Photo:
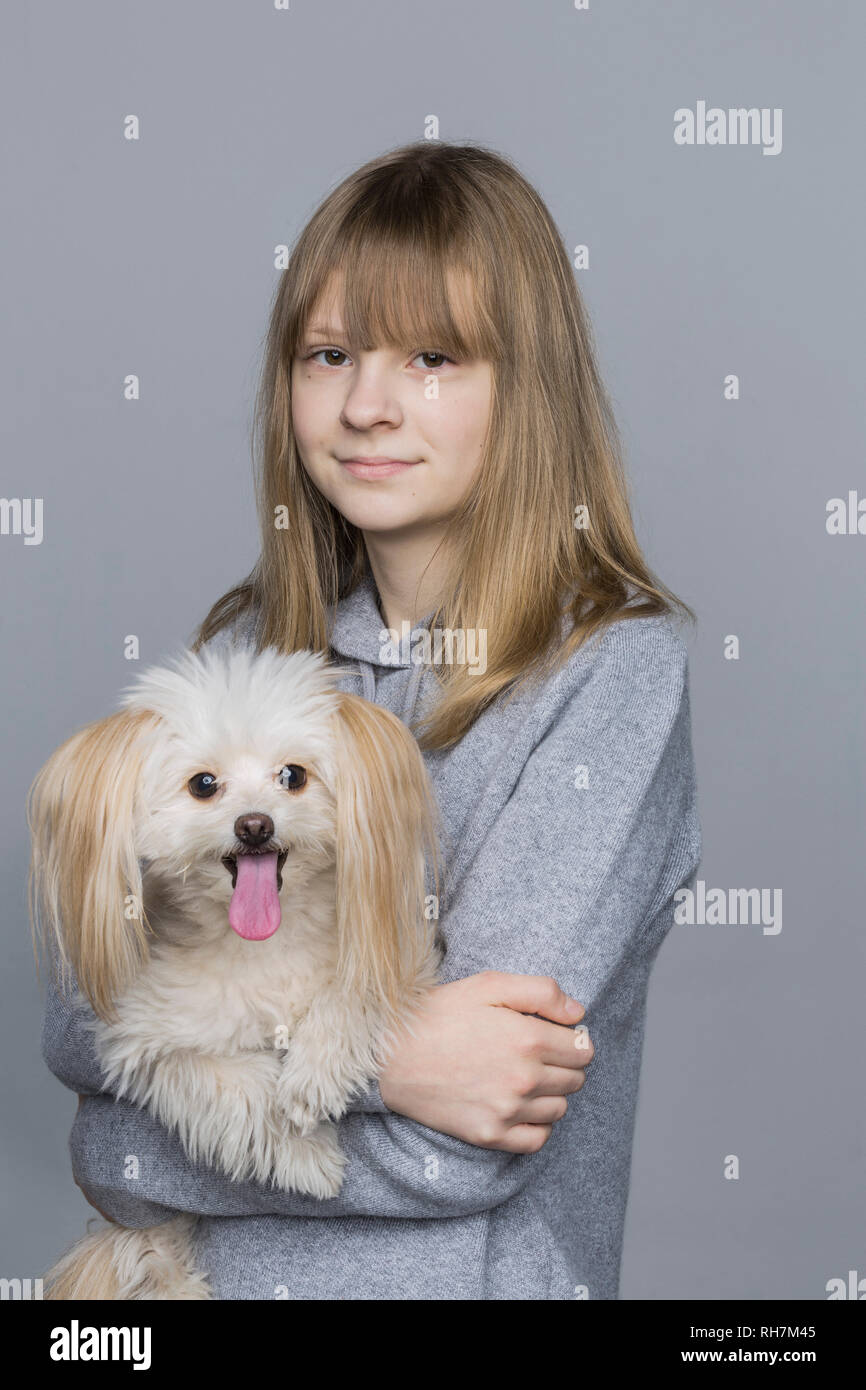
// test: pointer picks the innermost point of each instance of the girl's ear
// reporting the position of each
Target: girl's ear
(387, 825)
(85, 882)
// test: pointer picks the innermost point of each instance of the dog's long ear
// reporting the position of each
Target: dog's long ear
(387, 825)
(85, 883)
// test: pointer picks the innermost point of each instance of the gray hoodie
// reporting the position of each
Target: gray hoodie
(570, 821)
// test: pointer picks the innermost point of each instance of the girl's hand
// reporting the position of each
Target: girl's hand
(483, 1069)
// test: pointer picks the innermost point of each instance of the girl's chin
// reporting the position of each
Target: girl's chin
(378, 517)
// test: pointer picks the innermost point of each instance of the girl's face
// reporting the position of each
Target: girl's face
(423, 410)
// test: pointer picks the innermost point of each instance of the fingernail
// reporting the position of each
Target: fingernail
(573, 1006)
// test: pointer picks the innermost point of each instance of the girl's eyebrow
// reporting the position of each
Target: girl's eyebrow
(327, 331)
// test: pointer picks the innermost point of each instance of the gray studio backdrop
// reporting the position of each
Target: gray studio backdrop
(707, 261)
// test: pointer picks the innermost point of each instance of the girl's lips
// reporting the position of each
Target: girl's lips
(376, 468)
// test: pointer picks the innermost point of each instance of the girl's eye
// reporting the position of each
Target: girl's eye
(440, 355)
(292, 777)
(202, 785)
(332, 352)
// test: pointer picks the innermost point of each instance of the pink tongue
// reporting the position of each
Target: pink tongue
(254, 911)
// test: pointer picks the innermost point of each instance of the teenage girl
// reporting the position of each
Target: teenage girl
(436, 449)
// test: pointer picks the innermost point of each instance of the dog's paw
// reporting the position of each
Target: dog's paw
(298, 1103)
(301, 1118)
(306, 1099)
(311, 1163)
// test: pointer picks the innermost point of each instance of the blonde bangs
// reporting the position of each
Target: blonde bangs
(409, 282)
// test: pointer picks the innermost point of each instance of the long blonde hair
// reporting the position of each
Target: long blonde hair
(401, 231)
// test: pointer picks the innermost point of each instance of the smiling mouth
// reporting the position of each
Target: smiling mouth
(231, 862)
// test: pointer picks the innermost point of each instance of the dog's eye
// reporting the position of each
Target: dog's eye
(202, 785)
(292, 777)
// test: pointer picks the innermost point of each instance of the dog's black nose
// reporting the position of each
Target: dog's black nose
(254, 829)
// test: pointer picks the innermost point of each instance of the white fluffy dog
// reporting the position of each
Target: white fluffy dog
(233, 865)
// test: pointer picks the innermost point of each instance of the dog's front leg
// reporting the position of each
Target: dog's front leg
(241, 1129)
(222, 1108)
(225, 1111)
(331, 1053)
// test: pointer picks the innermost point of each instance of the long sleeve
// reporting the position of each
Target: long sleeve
(574, 878)
(575, 875)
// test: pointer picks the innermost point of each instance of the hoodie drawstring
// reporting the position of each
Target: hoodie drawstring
(412, 689)
(368, 681)
(368, 687)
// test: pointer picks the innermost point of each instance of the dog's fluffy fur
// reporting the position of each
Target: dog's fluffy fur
(248, 1048)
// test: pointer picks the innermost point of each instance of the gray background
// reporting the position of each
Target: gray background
(155, 257)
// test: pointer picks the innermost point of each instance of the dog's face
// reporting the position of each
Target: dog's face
(228, 780)
(235, 801)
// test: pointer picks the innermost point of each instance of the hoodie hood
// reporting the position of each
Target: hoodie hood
(359, 633)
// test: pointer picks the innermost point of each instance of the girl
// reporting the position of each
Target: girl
(438, 456)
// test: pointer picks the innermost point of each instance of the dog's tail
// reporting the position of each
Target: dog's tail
(113, 1263)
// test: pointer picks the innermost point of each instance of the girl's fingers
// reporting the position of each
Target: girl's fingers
(558, 1081)
(529, 994)
(544, 1110)
(563, 1047)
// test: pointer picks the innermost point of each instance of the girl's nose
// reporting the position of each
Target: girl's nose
(372, 398)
